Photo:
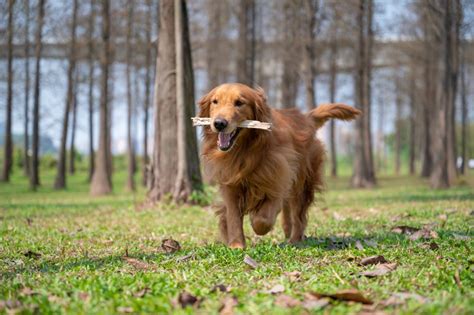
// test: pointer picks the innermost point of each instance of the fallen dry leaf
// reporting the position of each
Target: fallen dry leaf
(84, 296)
(170, 246)
(142, 292)
(399, 298)
(457, 278)
(228, 304)
(372, 260)
(220, 288)
(10, 304)
(138, 264)
(315, 304)
(185, 257)
(404, 229)
(32, 254)
(424, 233)
(187, 299)
(358, 245)
(380, 270)
(277, 289)
(286, 301)
(124, 309)
(26, 291)
(293, 275)
(432, 246)
(249, 261)
(352, 295)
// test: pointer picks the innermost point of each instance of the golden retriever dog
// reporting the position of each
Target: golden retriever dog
(261, 173)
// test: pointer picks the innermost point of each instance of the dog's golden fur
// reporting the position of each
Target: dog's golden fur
(265, 172)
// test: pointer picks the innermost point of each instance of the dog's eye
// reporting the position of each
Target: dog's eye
(238, 103)
(214, 102)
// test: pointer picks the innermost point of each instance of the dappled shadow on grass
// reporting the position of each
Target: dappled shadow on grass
(157, 260)
(376, 240)
(90, 263)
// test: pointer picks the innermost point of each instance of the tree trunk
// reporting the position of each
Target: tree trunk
(72, 148)
(398, 120)
(428, 78)
(246, 42)
(101, 183)
(440, 175)
(290, 55)
(182, 187)
(167, 142)
(60, 182)
(332, 97)
(214, 53)
(413, 116)
(456, 13)
(26, 133)
(130, 186)
(90, 39)
(8, 151)
(364, 174)
(34, 174)
(464, 115)
(146, 104)
(309, 49)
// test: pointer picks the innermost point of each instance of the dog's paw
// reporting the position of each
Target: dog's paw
(237, 245)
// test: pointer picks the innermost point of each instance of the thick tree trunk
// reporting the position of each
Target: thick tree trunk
(146, 104)
(309, 53)
(90, 44)
(26, 132)
(34, 172)
(412, 135)
(72, 148)
(182, 187)
(464, 116)
(8, 150)
(332, 97)
(290, 55)
(246, 42)
(364, 174)
(398, 120)
(60, 182)
(454, 47)
(214, 52)
(167, 143)
(428, 104)
(101, 183)
(440, 150)
(130, 150)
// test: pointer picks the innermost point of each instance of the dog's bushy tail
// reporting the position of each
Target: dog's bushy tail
(324, 112)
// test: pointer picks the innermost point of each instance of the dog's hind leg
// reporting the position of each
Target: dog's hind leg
(299, 212)
(286, 220)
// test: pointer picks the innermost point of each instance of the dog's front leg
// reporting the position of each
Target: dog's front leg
(234, 218)
(264, 219)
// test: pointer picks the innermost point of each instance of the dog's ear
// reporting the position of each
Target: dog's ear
(262, 111)
(205, 103)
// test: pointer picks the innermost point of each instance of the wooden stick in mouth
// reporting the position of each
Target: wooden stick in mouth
(254, 124)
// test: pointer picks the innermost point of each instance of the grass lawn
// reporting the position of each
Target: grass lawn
(63, 252)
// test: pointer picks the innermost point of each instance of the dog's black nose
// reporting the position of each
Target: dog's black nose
(220, 124)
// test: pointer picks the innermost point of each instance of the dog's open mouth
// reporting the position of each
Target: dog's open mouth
(225, 141)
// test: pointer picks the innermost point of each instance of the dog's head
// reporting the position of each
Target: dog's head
(230, 104)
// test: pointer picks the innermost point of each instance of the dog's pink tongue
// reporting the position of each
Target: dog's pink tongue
(224, 139)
